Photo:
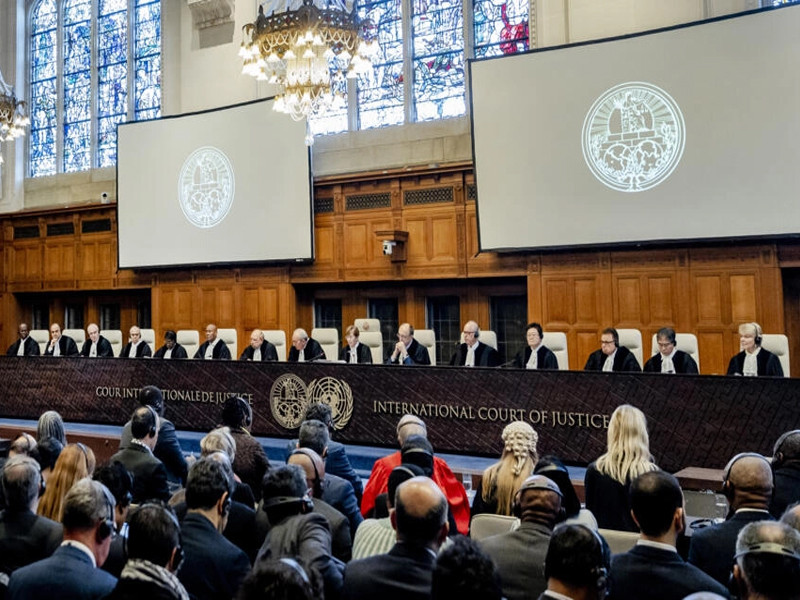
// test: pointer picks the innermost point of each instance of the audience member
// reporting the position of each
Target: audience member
(552, 468)
(136, 347)
(501, 480)
(408, 351)
(611, 356)
(519, 555)
(785, 472)
(120, 483)
(472, 353)
(74, 463)
(420, 519)
(669, 359)
(96, 345)
(464, 572)
(171, 347)
(304, 348)
(221, 440)
(23, 445)
(653, 568)
(753, 360)
(767, 562)
(355, 352)
(51, 425)
(576, 566)
(281, 579)
(49, 451)
(747, 484)
(73, 572)
(149, 473)
(259, 350)
(60, 345)
(336, 461)
(792, 516)
(25, 345)
(608, 478)
(213, 348)
(251, 461)
(535, 355)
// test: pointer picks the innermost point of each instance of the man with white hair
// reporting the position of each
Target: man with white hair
(304, 348)
(136, 347)
(472, 353)
(96, 345)
(767, 562)
(259, 350)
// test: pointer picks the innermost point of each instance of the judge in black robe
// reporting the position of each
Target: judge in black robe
(31, 347)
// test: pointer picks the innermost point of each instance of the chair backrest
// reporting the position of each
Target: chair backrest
(114, 337)
(79, 335)
(619, 541)
(778, 344)
(277, 337)
(487, 337)
(427, 337)
(41, 337)
(632, 340)
(485, 525)
(149, 336)
(231, 338)
(683, 341)
(365, 324)
(374, 341)
(556, 341)
(189, 339)
(328, 338)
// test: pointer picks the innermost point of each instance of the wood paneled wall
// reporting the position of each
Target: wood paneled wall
(705, 290)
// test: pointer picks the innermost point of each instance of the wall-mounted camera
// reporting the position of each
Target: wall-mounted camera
(104, 198)
(388, 246)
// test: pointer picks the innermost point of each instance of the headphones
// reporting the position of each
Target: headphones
(107, 527)
(153, 429)
(537, 482)
(734, 585)
(85, 453)
(179, 556)
(248, 411)
(317, 489)
(777, 453)
(226, 505)
(303, 503)
(727, 486)
(297, 567)
(598, 573)
(759, 333)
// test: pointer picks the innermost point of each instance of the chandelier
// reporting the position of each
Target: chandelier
(308, 50)
(12, 114)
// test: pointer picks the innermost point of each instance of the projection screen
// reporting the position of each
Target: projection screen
(689, 133)
(225, 186)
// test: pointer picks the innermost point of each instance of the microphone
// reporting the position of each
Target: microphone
(505, 365)
(317, 357)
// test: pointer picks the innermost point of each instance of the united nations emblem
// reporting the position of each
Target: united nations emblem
(205, 187)
(633, 137)
(288, 400)
(336, 394)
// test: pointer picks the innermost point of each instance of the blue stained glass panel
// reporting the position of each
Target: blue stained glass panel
(44, 17)
(148, 29)
(107, 140)
(77, 149)
(148, 88)
(77, 47)
(76, 11)
(501, 27)
(44, 56)
(106, 7)
(112, 77)
(112, 43)
(77, 85)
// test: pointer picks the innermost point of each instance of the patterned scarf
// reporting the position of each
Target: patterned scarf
(143, 570)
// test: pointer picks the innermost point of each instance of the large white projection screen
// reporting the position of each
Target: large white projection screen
(732, 174)
(225, 186)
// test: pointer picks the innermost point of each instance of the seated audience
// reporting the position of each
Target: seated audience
(501, 481)
(653, 568)
(171, 347)
(669, 359)
(25, 345)
(576, 565)
(213, 348)
(472, 353)
(304, 348)
(535, 355)
(767, 562)
(611, 356)
(49, 449)
(747, 485)
(259, 350)
(73, 571)
(136, 347)
(552, 468)
(74, 463)
(753, 360)
(51, 425)
(408, 351)
(792, 516)
(96, 345)
(608, 478)
(60, 345)
(23, 445)
(281, 579)
(465, 572)
(785, 472)
(120, 483)
(251, 462)
(355, 352)
(221, 440)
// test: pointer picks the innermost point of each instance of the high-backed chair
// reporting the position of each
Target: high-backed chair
(687, 342)
(149, 336)
(41, 337)
(328, 338)
(427, 337)
(374, 341)
(365, 324)
(778, 344)
(277, 337)
(632, 340)
(114, 337)
(231, 338)
(484, 525)
(487, 337)
(79, 335)
(556, 341)
(189, 339)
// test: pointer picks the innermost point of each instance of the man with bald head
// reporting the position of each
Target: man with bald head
(259, 350)
(213, 348)
(136, 347)
(747, 484)
(25, 345)
(786, 472)
(408, 351)
(472, 353)
(304, 348)
(420, 519)
(767, 562)
(453, 489)
(519, 555)
(96, 345)
(60, 344)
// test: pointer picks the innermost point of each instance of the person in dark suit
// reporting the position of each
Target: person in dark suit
(767, 562)
(213, 348)
(754, 360)
(259, 349)
(747, 484)
(304, 348)
(171, 347)
(149, 473)
(668, 359)
(464, 571)
(167, 448)
(408, 351)
(25, 345)
(60, 345)
(355, 351)
(535, 355)
(785, 472)
(213, 567)
(653, 568)
(136, 348)
(519, 555)
(577, 564)
(611, 356)
(405, 573)
(250, 462)
(472, 353)
(25, 537)
(120, 483)
(96, 345)
(73, 570)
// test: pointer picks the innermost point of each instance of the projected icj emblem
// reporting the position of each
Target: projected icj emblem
(289, 398)
(633, 137)
(206, 187)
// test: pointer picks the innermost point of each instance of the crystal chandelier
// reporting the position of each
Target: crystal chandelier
(307, 49)
(12, 114)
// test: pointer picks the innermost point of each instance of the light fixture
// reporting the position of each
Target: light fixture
(12, 114)
(308, 50)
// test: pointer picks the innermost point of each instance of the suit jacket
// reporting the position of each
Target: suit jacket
(66, 347)
(103, 348)
(786, 488)
(519, 557)
(767, 363)
(142, 350)
(607, 498)
(404, 573)
(545, 358)
(268, 352)
(149, 473)
(337, 463)
(241, 529)
(363, 353)
(221, 351)
(178, 351)
(682, 362)
(313, 351)
(624, 360)
(339, 494)
(251, 462)
(712, 548)
(656, 574)
(213, 568)
(31, 347)
(417, 355)
(67, 575)
(167, 450)
(485, 356)
(26, 538)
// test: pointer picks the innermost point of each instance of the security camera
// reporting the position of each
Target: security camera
(104, 197)
(387, 246)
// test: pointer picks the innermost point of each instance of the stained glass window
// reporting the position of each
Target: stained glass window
(147, 53)
(112, 76)
(77, 85)
(501, 27)
(44, 56)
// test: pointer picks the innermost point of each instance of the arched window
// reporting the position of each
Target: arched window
(94, 64)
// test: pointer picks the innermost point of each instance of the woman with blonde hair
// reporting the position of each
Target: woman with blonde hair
(502, 480)
(609, 477)
(75, 462)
